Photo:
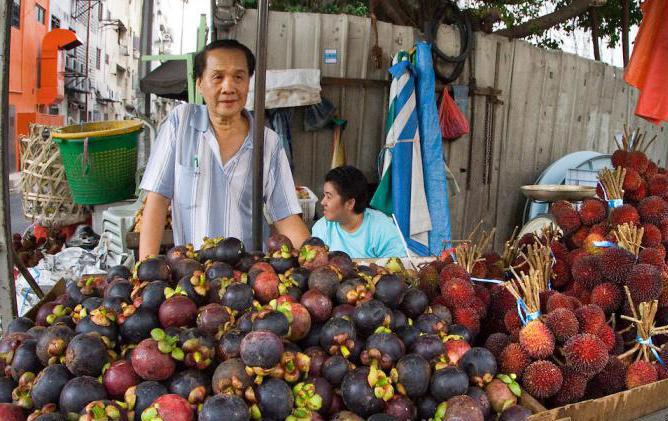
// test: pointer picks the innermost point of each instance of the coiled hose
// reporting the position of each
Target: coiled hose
(449, 10)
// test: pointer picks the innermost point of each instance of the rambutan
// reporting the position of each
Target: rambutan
(618, 158)
(607, 296)
(478, 306)
(513, 359)
(529, 238)
(561, 274)
(640, 373)
(467, 317)
(568, 221)
(574, 255)
(563, 324)
(559, 250)
(502, 300)
(586, 271)
(544, 296)
(607, 335)
(663, 227)
(624, 214)
(644, 282)
(496, 343)
(482, 292)
(559, 300)
(537, 340)
(542, 379)
(590, 243)
(586, 353)
(651, 236)
(591, 317)
(652, 170)
(652, 210)
(593, 211)
(655, 256)
(611, 379)
(577, 239)
(636, 160)
(479, 270)
(573, 388)
(452, 271)
(638, 194)
(632, 180)
(615, 263)
(658, 185)
(457, 292)
(511, 320)
(661, 371)
(601, 229)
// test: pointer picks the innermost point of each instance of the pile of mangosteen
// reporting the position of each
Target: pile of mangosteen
(223, 334)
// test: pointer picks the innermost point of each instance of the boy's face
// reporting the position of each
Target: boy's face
(333, 206)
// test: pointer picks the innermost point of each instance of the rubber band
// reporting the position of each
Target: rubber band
(648, 342)
(615, 203)
(604, 244)
(605, 192)
(523, 311)
(491, 281)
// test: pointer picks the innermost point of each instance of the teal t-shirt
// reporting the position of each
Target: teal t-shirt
(376, 237)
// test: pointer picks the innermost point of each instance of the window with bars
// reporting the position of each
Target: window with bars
(16, 13)
(98, 59)
(55, 22)
(100, 12)
(40, 13)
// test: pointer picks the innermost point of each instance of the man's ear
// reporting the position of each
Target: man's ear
(198, 82)
(350, 204)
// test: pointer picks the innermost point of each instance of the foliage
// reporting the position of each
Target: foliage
(349, 7)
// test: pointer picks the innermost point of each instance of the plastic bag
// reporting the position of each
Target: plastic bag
(452, 120)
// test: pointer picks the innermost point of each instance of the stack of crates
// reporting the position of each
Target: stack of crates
(117, 222)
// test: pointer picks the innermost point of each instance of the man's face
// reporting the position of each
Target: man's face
(333, 206)
(224, 83)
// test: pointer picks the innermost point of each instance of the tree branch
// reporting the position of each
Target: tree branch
(593, 16)
(541, 24)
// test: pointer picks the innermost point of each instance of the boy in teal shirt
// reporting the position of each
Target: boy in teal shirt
(348, 223)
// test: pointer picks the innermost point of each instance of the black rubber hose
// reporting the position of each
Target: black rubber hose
(463, 23)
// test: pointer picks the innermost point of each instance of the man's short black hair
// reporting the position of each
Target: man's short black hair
(350, 183)
(223, 44)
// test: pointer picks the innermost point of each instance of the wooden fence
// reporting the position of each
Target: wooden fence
(550, 103)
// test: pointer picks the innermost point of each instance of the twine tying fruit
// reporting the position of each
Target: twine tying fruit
(643, 319)
(612, 183)
(526, 289)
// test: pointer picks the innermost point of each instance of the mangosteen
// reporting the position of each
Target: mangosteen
(401, 408)
(195, 287)
(323, 389)
(345, 416)
(408, 335)
(114, 304)
(481, 399)
(398, 320)
(370, 315)
(413, 375)
(185, 268)
(382, 417)
(426, 407)
(335, 368)
(271, 321)
(25, 359)
(35, 332)
(448, 382)
(462, 331)
(91, 303)
(93, 410)
(50, 416)
(86, 355)
(177, 311)
(515, 413)
(192, 385)
(441, 311)
(138, 326)
(462, 407)
(429, 346)
(214, 318)
(52, 344)
(276, 242)
(177, 253)
(261, 349)
(318, 357)
(11, 412)
(154, 269)
(169, 407)
(282, 264)
(299, 317)
(121, 288)
(431, 323)
(101, 321)
(218, 270)
(338, 335)
(415, 302)
(480, 365)
(343, 310)
(229, 345)
(230, 378)
(118, 271)
(245, 322)
(318, 305)
(228, 250)
(313, 241)
(119, 377)
(153, 294)
(325, 279)
(312, 338)
(249, 259)
(275, 399)
(265, 286)
(48, 385)
(358, 396)
(390, 289)
(75, 293)
(384, 348)
(7, 385)
(150, 363)
(238, 296)
(79, 392)
(198, 347)
(143, 395)
(353, 291)
(20, 324)
(224, 407)
(342, 261)
(299, 277)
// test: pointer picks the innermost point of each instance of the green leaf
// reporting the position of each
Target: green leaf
(178, 354)
(515, 388)
(504, 378)
(158, 334)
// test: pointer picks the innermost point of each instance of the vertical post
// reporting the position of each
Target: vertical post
(87, 60)
(258, 127)
(593, 20)
(625, 31)
(146, 48)
(7, 288)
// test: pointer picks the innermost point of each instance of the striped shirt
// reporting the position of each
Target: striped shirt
(210, 198)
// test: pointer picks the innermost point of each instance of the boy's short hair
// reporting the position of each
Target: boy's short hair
(223, 44)
(350, 183)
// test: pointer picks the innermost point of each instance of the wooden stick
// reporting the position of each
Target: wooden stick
(629, 237)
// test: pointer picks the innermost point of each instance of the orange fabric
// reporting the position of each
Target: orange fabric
(648, 68)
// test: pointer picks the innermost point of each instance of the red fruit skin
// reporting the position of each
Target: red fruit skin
(265, 287)
(591, 317)
(640, 373)
(586, 353)
(151, 364)
(11, 412)
(608, 296)
(173, 407)
(632, 180)
(177, 311)
(593, 211)
(618, 158)
(455, 349)
(542, 379)
(119, 378)
(514, 359)
(624, 214)
(537, 339)
(563, 324)
(318, 305)
(301, 322)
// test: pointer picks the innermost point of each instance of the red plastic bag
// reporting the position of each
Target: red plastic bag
(452, 120)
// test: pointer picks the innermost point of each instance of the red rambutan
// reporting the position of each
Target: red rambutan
(482, 292)
(644, 282)
(636, 160)
(511, 320)
(502, 300)
(559, 300)
(544, 296)
(577, 239)
(563, 324)
(663, 227)
(638, 194)
(496, 343)
(640, 373)
(652, 170)
(467, 317)
(542, 379)
(478, 306)
(537, 340)
(457, 292)
(607, 296)
(611, 379)
(591, 241)
(453, 270)
(513, 359)
(593, 211)
(586, 271)
(607, 335)
(624, 214)
(615, 263)
(573, 388)
(601, 229)
(591, 317)
(561, 274)
(651, 236)
(658, 185)
(655, 256)
(632, 180)
(661, 371)
(559, 250)
(618, 158)
(479, 270)
(566, 216)
(586, 353)
(574, 255)
(652, 210)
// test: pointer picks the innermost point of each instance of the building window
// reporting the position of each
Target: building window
(98, 59)
(100, 12)
(106, 59)
(40, 13)
(55, 22)
(16, 13)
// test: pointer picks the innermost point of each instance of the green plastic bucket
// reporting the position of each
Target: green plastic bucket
(100, 159)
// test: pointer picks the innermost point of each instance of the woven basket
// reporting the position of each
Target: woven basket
(47, 199)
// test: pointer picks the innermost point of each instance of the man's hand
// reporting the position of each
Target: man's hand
(152, 224)
(294, 228)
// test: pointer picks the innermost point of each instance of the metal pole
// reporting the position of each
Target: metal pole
(146, 48)
(258, 127)
(8, 308)
(87, 58)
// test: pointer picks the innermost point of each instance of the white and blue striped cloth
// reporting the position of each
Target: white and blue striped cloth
(210, 198)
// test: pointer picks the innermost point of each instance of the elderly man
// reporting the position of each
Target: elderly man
(201, 162)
